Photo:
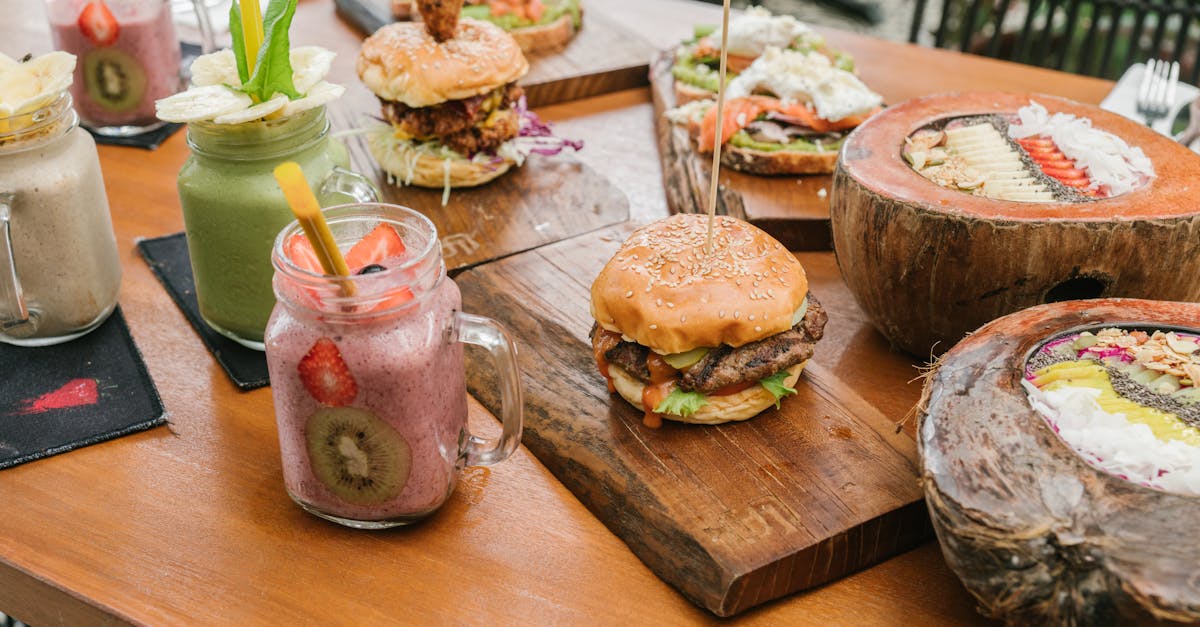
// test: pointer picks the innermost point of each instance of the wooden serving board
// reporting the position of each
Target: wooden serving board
(732, 515)
(603, 56)
(794, 209)
(546, 200)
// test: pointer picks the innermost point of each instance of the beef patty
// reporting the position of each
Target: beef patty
(726, 365)
(456, 123)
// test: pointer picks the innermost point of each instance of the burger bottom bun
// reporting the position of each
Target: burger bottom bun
(546, 37)
(399, 159)
(778, 161)
(720, 409)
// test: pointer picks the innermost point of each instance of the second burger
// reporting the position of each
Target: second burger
(457, 116)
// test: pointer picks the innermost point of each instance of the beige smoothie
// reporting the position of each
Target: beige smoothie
(63, 245)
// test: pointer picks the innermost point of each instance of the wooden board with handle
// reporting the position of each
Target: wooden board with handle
(732, 515)
(794, 209)
(603, 56)
(548, 199)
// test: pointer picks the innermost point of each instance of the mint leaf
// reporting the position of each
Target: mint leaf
(680, 403)
(774, 384)
(273, 70)
(239, 41)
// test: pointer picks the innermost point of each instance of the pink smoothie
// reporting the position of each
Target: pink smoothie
(117, 84)
(407, 372)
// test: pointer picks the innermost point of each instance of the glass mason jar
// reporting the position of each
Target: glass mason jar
(233, 208)
(369, 388)
(128, 58)
(59, 269)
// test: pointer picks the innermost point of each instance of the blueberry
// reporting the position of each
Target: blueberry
(372, 269)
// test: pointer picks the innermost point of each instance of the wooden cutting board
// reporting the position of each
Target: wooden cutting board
(603, 57)
(732, 515)
(794, 209)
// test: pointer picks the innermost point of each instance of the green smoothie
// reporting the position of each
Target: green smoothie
(233, 209)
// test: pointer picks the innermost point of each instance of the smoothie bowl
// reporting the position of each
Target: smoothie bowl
(1060, 456)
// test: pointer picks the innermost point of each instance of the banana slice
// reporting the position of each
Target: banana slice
(310, 64)
(321, 93)
(28, 86)
(218, 68)
(256, 112)
(201, 103)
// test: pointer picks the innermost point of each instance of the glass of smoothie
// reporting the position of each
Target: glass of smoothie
(128, 58)
(367, 371)
(233, 209)
(59, 269)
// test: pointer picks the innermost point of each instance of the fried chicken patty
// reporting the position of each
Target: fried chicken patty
(725, 365)
(459, 124)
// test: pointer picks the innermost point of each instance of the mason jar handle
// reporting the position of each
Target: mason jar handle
(347, 183)
(13, 311)
(488, 333)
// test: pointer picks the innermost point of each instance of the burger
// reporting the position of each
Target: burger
(703, 337)
(451, 105)
(697, 61)
(456, 116)
(538, 25)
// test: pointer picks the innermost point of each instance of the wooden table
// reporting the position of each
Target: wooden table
(190, 523)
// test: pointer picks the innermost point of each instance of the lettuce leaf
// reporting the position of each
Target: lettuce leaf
(680, 403)
(273, 70)
(774, 384)
(239, 42)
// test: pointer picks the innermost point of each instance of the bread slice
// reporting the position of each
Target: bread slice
(532, 39)
(778, 161)
(546, 37)
(685, 93)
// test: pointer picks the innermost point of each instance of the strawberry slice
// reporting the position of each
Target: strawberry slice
(1064, 173)
(1055, 163)
(302, 254)
(382, 243)
(98, 24)
(325, 375)
(1080, 182)
(1040, 142)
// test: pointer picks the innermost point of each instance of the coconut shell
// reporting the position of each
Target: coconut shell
(1034, 532)
(928, 264)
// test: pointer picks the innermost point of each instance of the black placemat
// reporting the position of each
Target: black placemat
(168, 258)
(148, 140)
(58, 398)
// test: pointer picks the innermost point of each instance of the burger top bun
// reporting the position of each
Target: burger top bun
(662, 291)
(402, 62)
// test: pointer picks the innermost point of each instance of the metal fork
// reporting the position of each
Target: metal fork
(1156, 95)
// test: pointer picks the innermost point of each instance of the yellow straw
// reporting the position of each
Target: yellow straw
(304, 204)
(252, 31)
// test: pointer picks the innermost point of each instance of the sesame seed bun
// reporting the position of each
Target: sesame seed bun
(720, 409)
(402, 62)
(663, 291)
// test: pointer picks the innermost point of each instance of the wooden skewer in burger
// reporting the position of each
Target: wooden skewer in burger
(703, 319)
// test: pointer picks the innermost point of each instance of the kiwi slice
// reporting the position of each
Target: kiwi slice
(360, 458)
(114, 80)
